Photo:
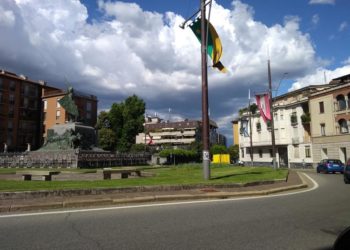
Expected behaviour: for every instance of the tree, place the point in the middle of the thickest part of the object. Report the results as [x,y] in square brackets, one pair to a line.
[218,149]
[106,139]
[103,120]
[127,120]
[233,150]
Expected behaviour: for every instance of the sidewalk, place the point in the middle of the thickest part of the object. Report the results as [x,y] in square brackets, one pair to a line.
[43,200]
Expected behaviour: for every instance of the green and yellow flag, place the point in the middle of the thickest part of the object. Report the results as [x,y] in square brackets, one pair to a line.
[214,47]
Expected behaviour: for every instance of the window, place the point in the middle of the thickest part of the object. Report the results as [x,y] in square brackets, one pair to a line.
[242,152]
[307,152]
[323,129]
[12,86]
[58,105]
[343,126]
[296,151]
[270,150]
[88,106]
[321,107]
[260,153]
[88,115]
[281,115]
[45,104]
[58,114]
[12,98]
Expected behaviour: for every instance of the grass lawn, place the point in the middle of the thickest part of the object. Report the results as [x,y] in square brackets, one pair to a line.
[182,174]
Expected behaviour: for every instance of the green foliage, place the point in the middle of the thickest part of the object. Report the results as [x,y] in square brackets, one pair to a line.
[218,149]
[106,139]
[233,150]
[136,148]
[103,120]
[305,118]
[179,155]
[126,120]
[253,108]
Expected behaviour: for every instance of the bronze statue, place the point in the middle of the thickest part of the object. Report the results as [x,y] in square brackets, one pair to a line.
[68,104]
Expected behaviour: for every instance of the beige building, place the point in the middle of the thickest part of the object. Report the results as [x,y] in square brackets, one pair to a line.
[330,116]
[176,134]
[292,131]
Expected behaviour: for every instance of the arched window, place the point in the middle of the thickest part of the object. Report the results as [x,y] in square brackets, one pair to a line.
[343,124]
[341,102]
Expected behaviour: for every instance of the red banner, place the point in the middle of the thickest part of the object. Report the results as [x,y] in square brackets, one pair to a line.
[263,103]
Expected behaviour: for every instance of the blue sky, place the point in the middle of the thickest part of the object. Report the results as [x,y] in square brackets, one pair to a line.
[114,49]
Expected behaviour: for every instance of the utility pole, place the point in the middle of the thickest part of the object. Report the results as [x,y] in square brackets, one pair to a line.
[205,116]
[274,163]
[250,131]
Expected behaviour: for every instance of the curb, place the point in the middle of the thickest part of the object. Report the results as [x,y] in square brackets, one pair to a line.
[145,199]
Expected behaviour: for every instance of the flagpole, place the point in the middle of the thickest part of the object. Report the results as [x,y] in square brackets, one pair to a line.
[250,132]
[274,163]
[205,117]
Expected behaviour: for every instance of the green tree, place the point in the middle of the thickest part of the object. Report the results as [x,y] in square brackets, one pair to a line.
[218,149]
[233,150]
[106,139]
[103,120]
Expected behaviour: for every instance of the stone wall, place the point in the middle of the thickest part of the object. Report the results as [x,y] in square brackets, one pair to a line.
[71,159]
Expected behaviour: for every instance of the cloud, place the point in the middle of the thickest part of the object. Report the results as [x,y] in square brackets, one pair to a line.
[321,76]
[315,19]
[133,51]
[343,26]
[322,2]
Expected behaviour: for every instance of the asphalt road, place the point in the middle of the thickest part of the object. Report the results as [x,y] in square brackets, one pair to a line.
[308,220]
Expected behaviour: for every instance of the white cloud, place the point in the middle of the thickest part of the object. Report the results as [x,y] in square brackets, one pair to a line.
[7,18]
[347,61]
[315,19]
[321,76]
[343,26]
[322,2]
[133,51]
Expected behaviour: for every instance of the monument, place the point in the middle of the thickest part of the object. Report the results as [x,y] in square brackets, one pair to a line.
[71,145]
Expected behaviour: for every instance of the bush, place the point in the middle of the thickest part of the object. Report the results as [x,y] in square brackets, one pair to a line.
[179,155]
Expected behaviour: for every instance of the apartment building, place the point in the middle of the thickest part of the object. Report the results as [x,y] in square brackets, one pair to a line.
[20,112]
[330,116]
[54,114]
[177,134]
[291,127]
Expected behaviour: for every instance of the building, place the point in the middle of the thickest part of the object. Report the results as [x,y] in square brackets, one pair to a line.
[235,129]
[28,108]
[54,114]
[330,121]
[291,127]
[176,134]
[20,112]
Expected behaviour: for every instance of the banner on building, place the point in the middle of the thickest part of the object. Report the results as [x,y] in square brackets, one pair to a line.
[263,102]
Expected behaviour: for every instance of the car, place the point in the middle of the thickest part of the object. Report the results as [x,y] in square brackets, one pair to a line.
[347,173]
[330,166]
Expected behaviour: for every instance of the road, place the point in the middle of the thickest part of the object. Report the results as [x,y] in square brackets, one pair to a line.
[308,220]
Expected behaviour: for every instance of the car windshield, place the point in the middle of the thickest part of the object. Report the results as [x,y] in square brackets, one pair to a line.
[334,161]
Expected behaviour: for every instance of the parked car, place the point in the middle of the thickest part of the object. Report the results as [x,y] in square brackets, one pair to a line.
[347,173]
[330,166]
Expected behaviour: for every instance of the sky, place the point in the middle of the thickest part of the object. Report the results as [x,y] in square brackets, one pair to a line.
[114,49]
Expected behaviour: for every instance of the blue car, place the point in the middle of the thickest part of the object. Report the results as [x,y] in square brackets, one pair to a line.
[330,166]
[347,173]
